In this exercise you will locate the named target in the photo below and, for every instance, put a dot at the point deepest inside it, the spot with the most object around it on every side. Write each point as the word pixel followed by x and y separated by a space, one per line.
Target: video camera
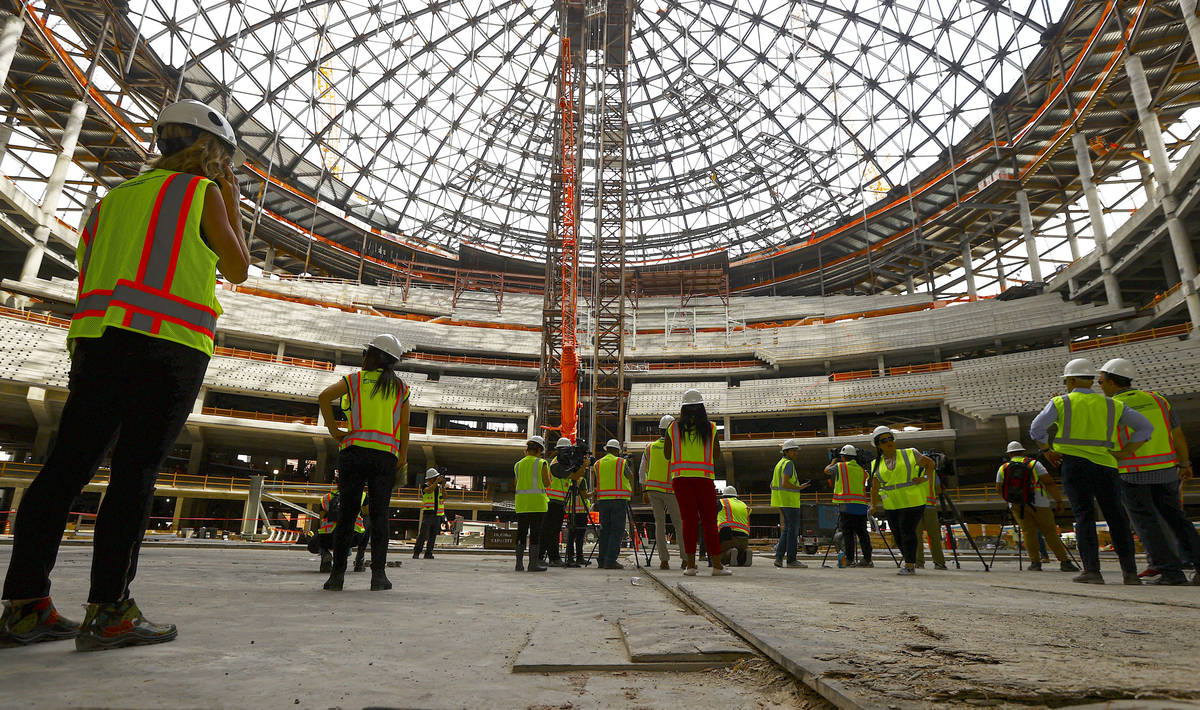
pixel 940 461
pixel 862 457
pixel 570 459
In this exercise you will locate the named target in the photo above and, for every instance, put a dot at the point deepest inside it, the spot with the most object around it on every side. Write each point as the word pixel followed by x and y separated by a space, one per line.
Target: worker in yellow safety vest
pixel 785 496
pixel 733 527
pixel 1150 479
pixel 900 484
pixel 372 450
pixel 433 507
pixel 850 495
pixel 577 503
pixel 659 495
pixel 614 486
pixel 140 340
pixel 552 521
pixel 1087 446
pixel 531 501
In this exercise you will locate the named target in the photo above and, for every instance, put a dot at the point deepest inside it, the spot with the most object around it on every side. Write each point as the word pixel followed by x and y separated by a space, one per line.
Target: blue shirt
pixel 1141 426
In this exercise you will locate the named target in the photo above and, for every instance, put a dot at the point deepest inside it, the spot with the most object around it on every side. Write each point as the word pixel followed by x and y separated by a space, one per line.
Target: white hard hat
pixel 880 431
pixel 537 440
pixel 849 450
pixel 790 444
pixel 666 421
pixel 692 396
pixel 1080 367
pixel 613 444
pixel 194 113
pixel 730 491
pixel 432 473
pixel 1015 447
pixel 1119 367
pixel 387 343
pixel 563 443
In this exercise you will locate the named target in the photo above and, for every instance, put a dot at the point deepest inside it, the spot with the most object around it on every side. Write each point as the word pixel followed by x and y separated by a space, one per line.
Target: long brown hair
pixel 693 419
pixel 192 151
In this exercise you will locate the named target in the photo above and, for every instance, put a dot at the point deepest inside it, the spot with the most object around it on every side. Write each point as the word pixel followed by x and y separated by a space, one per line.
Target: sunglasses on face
pixel 886 439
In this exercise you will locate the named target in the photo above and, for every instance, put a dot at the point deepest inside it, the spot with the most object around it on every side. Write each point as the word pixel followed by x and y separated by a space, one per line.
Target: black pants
pixel 1087 483
pixel 529 525
pixel 551 527
pixel 904 522
pixel 127 388
pixel 359 466
pixel 431 524
pixel 576 532
pixel 854 525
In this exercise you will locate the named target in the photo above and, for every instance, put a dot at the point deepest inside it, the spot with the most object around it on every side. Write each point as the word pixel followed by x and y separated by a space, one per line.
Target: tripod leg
pixel 1020 566
pixel 886 544
pixel 949 504
pixel 633 534
pixel 996 547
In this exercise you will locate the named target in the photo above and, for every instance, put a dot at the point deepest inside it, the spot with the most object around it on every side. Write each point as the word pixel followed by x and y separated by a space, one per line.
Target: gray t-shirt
pixel 1040 500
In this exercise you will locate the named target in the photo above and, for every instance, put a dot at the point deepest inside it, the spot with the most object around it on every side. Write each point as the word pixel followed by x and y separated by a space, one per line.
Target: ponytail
pixel 388 384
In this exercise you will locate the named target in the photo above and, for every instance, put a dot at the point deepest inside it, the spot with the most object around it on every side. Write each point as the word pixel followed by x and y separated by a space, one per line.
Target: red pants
pixel 697 498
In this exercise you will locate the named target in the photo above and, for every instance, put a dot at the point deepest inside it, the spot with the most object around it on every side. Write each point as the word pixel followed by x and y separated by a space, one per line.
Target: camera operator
pixel 850 493
pixel 433 507
pixel 569 467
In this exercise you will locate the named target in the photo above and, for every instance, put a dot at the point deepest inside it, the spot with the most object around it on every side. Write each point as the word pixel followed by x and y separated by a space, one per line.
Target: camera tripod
pixel 574 497
pixel 947 505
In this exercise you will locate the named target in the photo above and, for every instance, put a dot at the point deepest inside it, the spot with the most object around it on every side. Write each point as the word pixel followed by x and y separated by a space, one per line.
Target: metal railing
pixel 1138 336
pixel 259 416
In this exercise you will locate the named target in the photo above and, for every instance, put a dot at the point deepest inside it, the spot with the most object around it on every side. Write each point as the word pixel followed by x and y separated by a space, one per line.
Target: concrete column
pixel 728 429
pixel 269 261
pixel 41 443
pixel 880 364
pixel 54 188
pixel 1031 250
pixel 279 351
pixel 322 473
pixel 6 130
pixel 250 511
pixel 730 474
pixel 829 423
pixel 430 416
pixel 10 37
pixel 1072 240
pixel 13 505
pixel 198 405
pixel 531 426
pixel 1083 159
pixel 196 456
pixel 178 514
pixel 1170 268
pixel 969 271
pixel 1147 176
pixel 1181 243
pixel 89 203
pixel 945 411
pixel 1003 283
pixel 1192 22
pixel 1012 427
pixel 910 284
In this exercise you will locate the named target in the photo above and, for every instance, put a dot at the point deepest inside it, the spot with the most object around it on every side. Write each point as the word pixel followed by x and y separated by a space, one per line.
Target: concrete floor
pixel 256 630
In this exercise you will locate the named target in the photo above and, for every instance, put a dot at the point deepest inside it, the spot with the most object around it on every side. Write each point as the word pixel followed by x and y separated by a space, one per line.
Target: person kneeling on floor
pixel 733 528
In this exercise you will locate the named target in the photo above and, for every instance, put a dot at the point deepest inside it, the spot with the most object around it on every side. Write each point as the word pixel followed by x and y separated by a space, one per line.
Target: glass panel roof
pixel 753 123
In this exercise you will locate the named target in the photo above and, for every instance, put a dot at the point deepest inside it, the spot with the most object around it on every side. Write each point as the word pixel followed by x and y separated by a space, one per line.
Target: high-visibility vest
pixel 896 484
pixel 559 487
pixel 850 484
pixel 783 497
pixel 733 514
pixel 1087 426
pixel 1159 452
pixel 431 500
pixel 692 458
pixel 531 497
pixel 374 419
pixel 579 505
pixel 144 266
pixel 658 474
pixel 328 525
pixel 610 479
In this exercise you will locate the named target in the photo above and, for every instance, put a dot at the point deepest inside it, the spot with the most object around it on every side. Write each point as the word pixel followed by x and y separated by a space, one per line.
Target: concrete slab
pixel 867 638
pixel 256 630
pixel 573 645
pixel 671 636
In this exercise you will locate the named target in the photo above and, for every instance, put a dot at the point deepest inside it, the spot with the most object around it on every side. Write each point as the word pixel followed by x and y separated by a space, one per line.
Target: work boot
pixel 359 565
pixel 118 624
pixel 337 576
pixel 379 581
pixel 428 556
pixel 326 562
pixel 613 565
pixel 1171 579
pixel 535 564
pixel 1089 577
pixel 1068 566
pixel 520 558
pixel 939 565
pixel 1035 566
pixel 416 552
pixel 864 563
pixel 572 564
pixel 1131 578
pixel 797 565
pixel 33 622
pixel 664 565
pixel 905 571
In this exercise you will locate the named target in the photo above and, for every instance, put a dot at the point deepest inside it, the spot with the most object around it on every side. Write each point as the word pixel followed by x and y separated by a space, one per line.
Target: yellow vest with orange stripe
pixel 374 419
pixel 734 515
pixel 850 484
pixel 611 483
pixel 144 266
pixel 692 458
pixel 658 475
pixel 1157 453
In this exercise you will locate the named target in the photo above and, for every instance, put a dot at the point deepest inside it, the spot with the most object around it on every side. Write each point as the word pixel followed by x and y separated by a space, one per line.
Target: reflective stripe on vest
pixel 366 427
pixel 899 493
pixel 658 475
pixel 558 488
pixel 782 497
pixel 1157 453
pixel 433 499
pixel 693 458
pixel 530 498
pixel 849 486
pixel 1087 426
pixel 610 479
pixel 734 517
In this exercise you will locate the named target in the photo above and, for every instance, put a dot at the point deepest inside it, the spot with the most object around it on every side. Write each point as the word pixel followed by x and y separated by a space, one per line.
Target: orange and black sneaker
pixel 118 624
pixel 32 622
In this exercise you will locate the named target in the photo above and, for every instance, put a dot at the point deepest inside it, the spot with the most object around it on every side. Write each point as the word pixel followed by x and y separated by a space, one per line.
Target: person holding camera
pixel 140 341
pixel 433 507
pixel 533 479
pixel 659 495
pixel 1027 487
pixel 692 450
pixel 614 486
pixel 900 482
pixel 850 495
pixel 552 521
pixel 785 495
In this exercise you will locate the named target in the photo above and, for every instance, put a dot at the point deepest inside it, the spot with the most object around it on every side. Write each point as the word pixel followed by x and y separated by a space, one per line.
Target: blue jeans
pixel 1086 484
pixel 788 534
pixel 1147 501
pixel 612 529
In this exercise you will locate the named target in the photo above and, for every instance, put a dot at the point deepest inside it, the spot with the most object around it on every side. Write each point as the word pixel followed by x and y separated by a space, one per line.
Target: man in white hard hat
pixel 1028 487
pixel 1088 444
pixel 552 521
pixel 1150 479
pixel 658 493
pixel 733 527
pixel 850 494
pixel 433 507
pixel 785 495
pixel 614 486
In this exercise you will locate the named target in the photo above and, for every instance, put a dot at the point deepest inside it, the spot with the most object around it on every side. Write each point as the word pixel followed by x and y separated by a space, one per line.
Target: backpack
pixel 1019 484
